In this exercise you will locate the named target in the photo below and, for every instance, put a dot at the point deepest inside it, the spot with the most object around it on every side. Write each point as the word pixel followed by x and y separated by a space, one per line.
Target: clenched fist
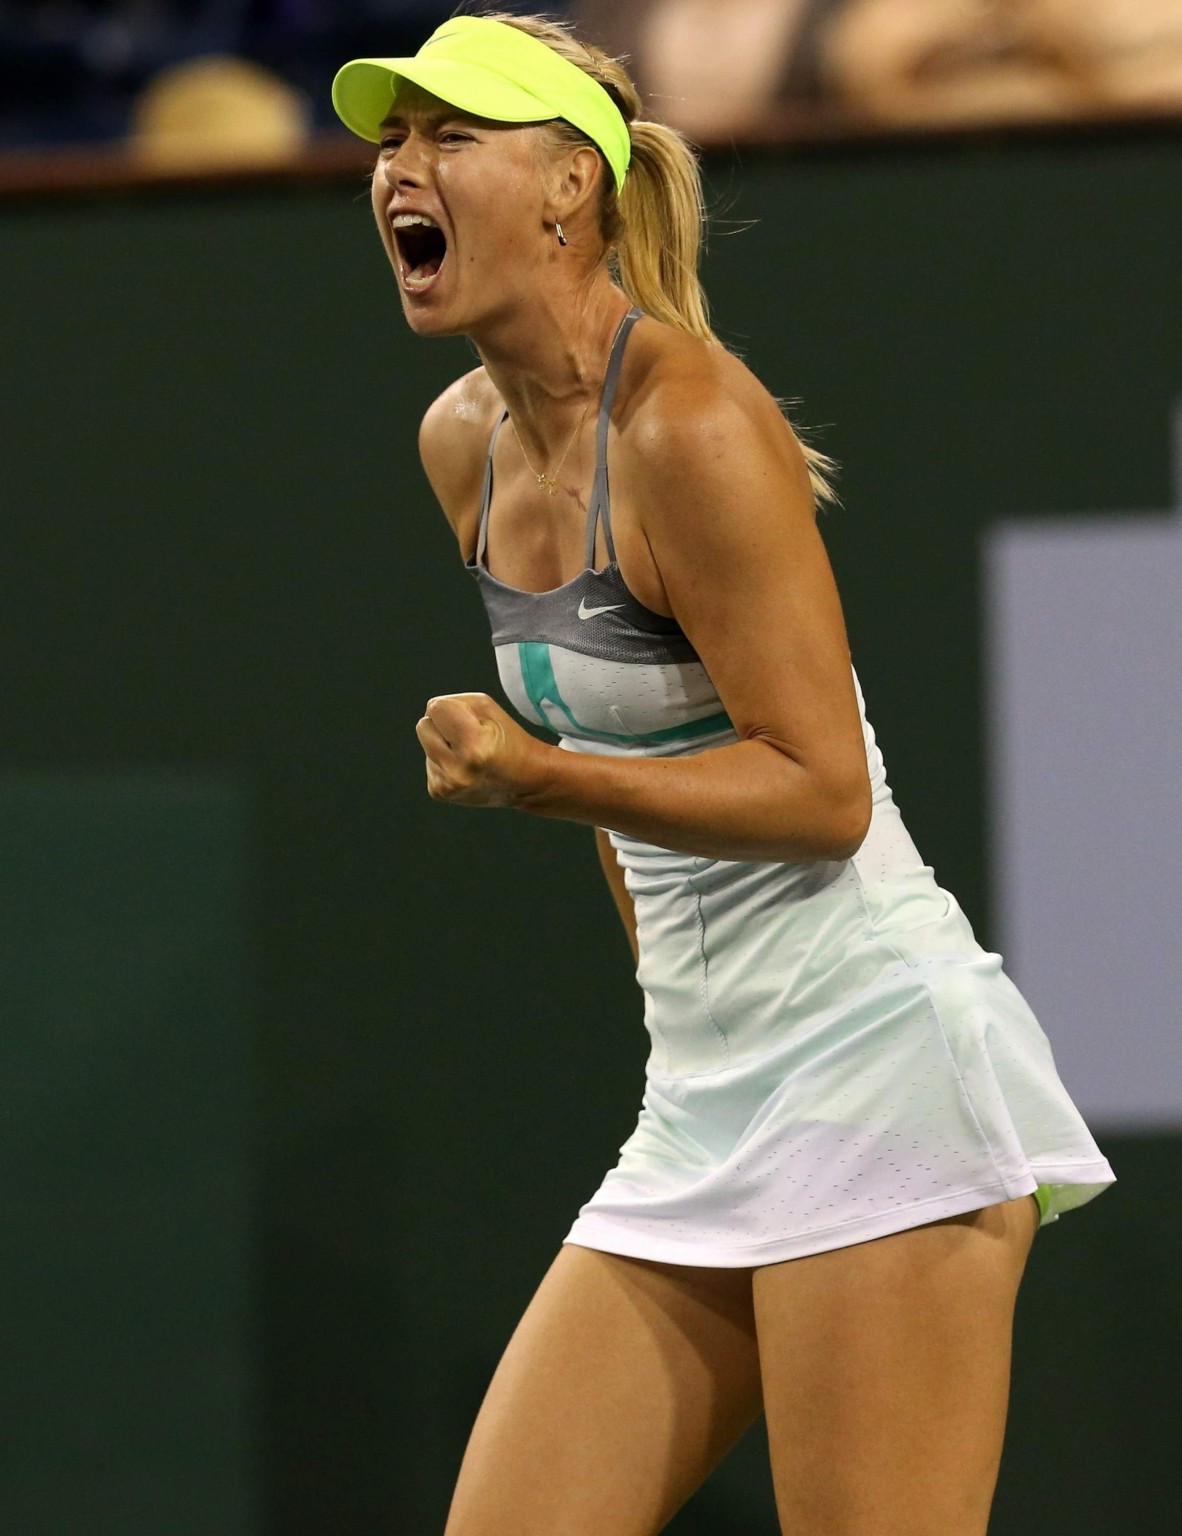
pixel 476 753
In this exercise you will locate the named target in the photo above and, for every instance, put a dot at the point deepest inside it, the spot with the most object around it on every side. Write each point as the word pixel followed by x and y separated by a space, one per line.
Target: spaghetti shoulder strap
pixel 486 494
pixel 600 502
pixel 610 379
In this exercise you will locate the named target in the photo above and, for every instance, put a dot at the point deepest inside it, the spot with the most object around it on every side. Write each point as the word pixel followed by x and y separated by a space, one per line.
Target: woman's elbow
pixel 851 810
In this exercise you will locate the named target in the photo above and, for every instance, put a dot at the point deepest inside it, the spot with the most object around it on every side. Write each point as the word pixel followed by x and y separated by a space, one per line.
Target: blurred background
pixel 77 72
pixel 266 1010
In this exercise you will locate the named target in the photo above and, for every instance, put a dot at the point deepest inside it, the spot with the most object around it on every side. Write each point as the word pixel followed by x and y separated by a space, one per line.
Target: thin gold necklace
pixel 550 481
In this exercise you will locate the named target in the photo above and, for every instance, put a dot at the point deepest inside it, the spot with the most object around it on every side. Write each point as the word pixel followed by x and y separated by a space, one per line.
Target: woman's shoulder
pixel 681 392
pixel 453 444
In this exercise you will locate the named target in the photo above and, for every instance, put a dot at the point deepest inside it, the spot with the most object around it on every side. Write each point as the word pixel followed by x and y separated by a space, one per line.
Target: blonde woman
pixel 851 1123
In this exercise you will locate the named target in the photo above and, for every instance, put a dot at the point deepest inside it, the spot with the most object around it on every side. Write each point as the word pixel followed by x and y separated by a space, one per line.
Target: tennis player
pixel 852 1124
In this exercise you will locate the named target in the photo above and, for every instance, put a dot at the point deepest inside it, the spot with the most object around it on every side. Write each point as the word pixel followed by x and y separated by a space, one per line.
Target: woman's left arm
pixel 722 491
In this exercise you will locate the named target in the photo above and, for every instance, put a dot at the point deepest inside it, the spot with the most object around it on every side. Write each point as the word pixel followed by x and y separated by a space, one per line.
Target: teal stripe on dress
pixel 537 674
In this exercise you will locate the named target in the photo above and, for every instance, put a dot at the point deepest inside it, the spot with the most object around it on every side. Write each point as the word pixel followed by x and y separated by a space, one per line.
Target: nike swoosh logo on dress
pixel 589 613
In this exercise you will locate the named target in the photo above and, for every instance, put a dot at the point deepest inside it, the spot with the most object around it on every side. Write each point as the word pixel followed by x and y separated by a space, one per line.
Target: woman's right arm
pixel 615 879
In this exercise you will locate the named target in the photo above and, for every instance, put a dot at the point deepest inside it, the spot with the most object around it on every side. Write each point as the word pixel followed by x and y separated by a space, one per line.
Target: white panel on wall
pixel 1083 693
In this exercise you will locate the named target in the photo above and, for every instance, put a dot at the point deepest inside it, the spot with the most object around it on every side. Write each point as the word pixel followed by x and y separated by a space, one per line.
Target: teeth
pixel 416 278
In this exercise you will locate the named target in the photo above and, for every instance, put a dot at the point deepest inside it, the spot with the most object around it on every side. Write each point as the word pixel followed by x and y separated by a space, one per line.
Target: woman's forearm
pixel 747 800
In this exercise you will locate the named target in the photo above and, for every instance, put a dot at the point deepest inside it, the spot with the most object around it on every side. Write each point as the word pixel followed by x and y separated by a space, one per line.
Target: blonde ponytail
pixel 662 222
pixel 654 231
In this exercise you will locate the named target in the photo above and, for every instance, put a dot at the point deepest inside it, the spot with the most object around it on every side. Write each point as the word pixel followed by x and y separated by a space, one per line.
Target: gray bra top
pixel 623 628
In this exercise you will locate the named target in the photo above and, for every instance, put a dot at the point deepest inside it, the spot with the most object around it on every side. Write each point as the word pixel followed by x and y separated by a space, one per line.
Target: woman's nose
pixel 406 166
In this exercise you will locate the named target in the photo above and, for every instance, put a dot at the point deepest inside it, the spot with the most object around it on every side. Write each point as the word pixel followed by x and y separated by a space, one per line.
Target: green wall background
pixel 222 562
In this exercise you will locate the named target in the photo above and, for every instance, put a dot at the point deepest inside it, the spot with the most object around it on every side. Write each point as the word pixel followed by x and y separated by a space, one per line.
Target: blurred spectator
pixel 917 61
pixel 70 69
pixel 714 67
pixel 717 65
pixel 217 110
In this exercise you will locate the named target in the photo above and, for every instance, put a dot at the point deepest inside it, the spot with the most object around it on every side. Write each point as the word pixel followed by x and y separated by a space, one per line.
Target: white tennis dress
pixel 833 1056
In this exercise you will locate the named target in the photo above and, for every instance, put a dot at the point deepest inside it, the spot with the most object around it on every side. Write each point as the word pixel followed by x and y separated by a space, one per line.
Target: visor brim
pixel 364 91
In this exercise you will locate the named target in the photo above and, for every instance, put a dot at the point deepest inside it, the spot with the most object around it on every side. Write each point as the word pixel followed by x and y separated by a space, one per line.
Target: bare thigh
pixel 886 1372
pixel 623 1385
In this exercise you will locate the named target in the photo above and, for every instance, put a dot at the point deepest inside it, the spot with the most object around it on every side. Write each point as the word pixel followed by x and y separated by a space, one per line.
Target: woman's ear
pixel 575 182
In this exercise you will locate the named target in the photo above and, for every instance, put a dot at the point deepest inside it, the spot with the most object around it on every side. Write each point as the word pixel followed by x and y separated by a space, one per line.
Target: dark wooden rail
pixel 331 155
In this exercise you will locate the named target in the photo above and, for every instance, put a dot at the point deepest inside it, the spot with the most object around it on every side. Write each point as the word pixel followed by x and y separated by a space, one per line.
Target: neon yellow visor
pixel 492 70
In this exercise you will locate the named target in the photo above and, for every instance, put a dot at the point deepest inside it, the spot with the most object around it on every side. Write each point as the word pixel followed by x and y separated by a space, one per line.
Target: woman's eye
pixel 394 144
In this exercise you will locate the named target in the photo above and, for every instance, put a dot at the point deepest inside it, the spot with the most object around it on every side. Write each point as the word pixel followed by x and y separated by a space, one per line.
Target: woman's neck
pixel 549 361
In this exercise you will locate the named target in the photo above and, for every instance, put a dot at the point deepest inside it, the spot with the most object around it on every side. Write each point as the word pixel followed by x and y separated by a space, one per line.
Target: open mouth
pixel 422 246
